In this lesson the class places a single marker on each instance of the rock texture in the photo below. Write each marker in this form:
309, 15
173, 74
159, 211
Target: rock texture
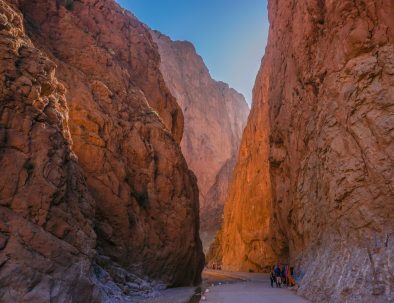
136, 215
215, 116
46, 212
211, 215
244, 236
321, 132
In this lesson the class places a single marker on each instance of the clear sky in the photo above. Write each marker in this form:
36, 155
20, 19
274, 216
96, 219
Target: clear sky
230, 35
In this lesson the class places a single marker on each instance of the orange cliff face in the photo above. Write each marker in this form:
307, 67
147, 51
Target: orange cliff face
47, 233
320, 131
215, 116
136, 215
244, 237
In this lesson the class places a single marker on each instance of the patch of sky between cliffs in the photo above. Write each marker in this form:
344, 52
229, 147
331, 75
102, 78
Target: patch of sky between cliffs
230, 35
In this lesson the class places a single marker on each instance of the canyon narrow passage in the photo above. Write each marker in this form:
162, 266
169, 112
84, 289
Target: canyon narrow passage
123, 159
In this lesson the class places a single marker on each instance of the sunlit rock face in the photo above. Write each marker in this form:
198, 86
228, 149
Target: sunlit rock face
215, 116
111, 121
244, 238
321, 124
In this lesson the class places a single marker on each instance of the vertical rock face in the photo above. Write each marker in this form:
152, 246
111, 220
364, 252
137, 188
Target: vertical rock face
137, 213
46, 212
215, 116
244, 244
324, 104
211, 215
331, 146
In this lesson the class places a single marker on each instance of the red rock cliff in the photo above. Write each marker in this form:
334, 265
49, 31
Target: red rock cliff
320, 132
123, 125
215, 116
47, 239
244, 235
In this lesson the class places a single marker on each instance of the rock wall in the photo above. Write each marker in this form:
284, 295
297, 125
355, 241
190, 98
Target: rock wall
47, 239
137, 214
215, 116
244, 239
323, 102
211, 215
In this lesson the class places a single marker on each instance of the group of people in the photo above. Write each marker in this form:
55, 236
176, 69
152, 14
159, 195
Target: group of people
216, 266
282, 276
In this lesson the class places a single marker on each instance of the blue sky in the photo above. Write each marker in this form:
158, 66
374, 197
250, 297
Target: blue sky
230, 35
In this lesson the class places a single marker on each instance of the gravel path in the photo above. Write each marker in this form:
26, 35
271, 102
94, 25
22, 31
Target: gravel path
255, 288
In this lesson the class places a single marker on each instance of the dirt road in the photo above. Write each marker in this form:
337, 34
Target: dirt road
250, 288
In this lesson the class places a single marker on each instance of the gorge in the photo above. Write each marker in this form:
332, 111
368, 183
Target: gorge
215, 116
119, 151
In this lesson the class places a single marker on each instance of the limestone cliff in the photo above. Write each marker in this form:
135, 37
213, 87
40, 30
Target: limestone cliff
136, 215
215, 116
321, 132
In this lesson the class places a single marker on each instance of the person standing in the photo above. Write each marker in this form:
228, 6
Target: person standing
291, 278
278, 275
285, 274
272, 276
282, 275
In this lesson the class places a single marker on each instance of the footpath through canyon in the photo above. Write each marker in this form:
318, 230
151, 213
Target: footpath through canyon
119, 152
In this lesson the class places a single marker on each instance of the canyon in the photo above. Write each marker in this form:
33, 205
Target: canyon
122, 160
313, 183
215, 116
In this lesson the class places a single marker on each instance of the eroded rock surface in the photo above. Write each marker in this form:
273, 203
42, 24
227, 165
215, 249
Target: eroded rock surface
136, 216
321, 122
243, 241
215, 116
47, 239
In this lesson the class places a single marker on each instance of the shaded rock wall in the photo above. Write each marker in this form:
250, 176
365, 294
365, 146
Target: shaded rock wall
135, 169
123, 125
324, 103
215, 116
211, 215
47, 239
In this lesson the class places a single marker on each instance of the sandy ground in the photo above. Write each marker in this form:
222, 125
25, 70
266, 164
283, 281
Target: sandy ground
173, 295
255, 288
228, 287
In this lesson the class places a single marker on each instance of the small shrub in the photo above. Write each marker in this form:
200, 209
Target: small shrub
28, 166
69, 4
128, 179
142, 199
153, 112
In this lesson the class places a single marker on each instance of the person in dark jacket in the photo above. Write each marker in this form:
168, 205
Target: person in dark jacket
278, 275
272, 276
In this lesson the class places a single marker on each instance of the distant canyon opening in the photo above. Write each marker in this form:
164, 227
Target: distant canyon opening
215, 116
